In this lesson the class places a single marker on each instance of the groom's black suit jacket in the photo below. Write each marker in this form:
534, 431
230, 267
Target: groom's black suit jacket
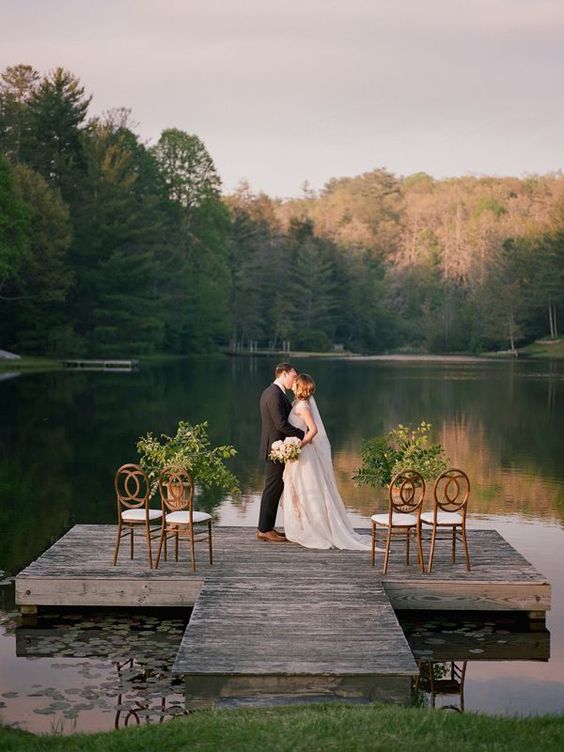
274, 410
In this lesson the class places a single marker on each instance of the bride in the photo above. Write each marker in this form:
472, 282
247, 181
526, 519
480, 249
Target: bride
314, 513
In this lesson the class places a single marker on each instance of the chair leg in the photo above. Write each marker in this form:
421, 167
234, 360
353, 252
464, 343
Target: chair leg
176, 544
162, 539
387, 554
432, 551
419, 548
192, 548
373, 552
118, 541
465, 544
148, 532
407, 540
131, 540
454, 544
210, 545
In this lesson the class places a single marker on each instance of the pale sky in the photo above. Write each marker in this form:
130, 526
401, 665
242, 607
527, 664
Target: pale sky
291, 90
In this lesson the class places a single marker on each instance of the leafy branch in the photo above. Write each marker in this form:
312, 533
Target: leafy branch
404, 447
191, 449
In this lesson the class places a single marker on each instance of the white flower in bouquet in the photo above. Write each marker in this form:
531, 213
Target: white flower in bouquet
285, 451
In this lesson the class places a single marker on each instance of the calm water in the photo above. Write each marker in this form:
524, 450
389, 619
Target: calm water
63, 434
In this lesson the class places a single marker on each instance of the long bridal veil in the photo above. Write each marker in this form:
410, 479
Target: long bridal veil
321, 442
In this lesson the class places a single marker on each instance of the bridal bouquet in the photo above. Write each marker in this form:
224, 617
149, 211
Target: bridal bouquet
285, 451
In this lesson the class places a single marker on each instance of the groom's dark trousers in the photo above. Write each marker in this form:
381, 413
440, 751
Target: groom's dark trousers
274, 410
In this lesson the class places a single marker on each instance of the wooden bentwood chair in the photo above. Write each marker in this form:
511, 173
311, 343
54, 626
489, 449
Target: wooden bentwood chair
450, 494
179, 516
406, 494
132, 496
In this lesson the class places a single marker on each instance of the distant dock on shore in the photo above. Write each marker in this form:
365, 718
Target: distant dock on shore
100, 365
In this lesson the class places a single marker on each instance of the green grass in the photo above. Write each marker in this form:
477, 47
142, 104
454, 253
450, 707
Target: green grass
28, 364
544, 348
541, 348
315, 727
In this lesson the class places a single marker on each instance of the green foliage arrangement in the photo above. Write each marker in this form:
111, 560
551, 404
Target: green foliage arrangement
191, 449
404, 447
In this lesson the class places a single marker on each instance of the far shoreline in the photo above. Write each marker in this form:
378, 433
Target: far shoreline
540, 350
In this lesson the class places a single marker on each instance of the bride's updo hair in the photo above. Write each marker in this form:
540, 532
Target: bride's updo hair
304, 386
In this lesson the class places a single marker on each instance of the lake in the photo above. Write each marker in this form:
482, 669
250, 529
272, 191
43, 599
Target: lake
62, 435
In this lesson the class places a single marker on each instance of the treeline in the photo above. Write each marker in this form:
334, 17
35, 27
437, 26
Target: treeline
109, 246
378, 262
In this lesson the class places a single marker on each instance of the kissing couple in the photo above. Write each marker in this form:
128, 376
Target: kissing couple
314, 513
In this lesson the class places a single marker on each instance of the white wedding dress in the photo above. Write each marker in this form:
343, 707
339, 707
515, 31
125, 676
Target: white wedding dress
314, 513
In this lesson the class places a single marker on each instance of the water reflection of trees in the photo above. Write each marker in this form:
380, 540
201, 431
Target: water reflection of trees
498, 421
64, 434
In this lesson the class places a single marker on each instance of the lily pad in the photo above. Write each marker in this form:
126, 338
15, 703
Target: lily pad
59, 705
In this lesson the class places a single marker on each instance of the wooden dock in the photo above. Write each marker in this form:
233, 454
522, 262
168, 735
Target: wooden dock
100, 365
278, 619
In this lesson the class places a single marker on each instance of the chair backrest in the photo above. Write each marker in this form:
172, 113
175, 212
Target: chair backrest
132, 486
407, 491
451, 491
176, 487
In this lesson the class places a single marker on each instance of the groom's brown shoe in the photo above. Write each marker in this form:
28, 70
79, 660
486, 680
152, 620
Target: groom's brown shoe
272, 537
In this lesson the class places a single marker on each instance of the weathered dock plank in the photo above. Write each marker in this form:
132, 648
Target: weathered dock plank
332, 627
77, 571
316, 623
500, 580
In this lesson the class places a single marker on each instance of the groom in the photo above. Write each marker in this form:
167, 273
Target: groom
274, 410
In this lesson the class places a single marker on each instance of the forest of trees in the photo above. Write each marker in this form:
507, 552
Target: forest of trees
110, 246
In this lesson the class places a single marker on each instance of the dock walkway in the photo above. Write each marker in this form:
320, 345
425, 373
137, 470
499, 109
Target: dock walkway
278, 619
289, 620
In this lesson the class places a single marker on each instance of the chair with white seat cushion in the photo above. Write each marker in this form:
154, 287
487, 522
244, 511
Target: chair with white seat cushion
450, 494
132, 494
406, 494
177, 495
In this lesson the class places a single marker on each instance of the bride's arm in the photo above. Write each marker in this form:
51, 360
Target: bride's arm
304, 412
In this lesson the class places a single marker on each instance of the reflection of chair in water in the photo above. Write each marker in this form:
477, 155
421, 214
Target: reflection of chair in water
132, 494
125, 715
406, 494
180, 517
133, 710
440, 679
450, 492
